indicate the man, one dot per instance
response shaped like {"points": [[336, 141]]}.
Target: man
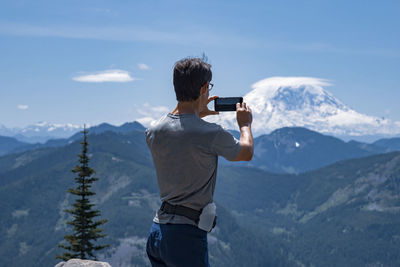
{"points": [[185, 152]]}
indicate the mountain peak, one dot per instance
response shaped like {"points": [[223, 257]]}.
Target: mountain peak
{"points": [[279, 102], [292, 93]]}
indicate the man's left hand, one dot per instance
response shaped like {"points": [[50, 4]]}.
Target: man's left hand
{"points": [[205, 111]]}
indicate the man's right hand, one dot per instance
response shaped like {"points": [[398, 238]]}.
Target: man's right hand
{"points": [[244, 116]]}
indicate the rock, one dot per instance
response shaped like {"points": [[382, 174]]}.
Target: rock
{"points": [[82, 263]]}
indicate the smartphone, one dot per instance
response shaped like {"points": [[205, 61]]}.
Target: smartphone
{"points": [[227, 103]]}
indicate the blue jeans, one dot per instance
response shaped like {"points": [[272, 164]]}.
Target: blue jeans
{"points": [[177, 245]]}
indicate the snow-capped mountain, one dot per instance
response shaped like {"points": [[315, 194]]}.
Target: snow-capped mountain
{"points": [[41, 131], [279, 102]]}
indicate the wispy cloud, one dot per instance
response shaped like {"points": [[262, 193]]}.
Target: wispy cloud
{"points": [[150, 113], [143, 66], [104, 11], [120, 76], [186, 36], [318, 47], [125, 33], [23, 107]]}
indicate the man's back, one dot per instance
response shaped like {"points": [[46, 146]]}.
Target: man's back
{"points": [[185, 152]]}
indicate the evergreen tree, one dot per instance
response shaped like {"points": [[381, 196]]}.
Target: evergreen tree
{"points": [[85, 230]]}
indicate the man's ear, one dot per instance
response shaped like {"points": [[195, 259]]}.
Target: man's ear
{"points": [[203, 90]]}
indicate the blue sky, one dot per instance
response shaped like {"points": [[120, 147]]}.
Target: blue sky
{"points": [[49, 49]]}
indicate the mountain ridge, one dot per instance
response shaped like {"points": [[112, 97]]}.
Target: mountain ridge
{"points": [[43, 131], [284, 150]]}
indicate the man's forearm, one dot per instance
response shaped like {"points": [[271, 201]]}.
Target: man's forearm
{"points": [[246, 139]]}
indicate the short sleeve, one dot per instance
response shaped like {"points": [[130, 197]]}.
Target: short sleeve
{"points": [[226, 145]]}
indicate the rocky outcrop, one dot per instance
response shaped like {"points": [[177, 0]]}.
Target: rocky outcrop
{"points": [[82, 263]]}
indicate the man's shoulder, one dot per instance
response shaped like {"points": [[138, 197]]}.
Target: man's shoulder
{"points": [[156, 124], [191, 123], [210, 126], [160, 121], [214, 126]]}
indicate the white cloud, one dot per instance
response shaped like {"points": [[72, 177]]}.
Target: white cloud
{"points": [[23, 107], [150, 113], [120, 76], [143, 66]]}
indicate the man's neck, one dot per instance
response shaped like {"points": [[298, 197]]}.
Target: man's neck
{"points": [[187, 107]]}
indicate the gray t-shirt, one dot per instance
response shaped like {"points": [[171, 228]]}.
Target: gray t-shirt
{"points": [[185, 152]]}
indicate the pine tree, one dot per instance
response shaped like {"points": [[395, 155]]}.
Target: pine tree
{"points": [[85, 230]]}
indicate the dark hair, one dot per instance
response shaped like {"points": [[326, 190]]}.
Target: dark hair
{"points": [[190, 74]]}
